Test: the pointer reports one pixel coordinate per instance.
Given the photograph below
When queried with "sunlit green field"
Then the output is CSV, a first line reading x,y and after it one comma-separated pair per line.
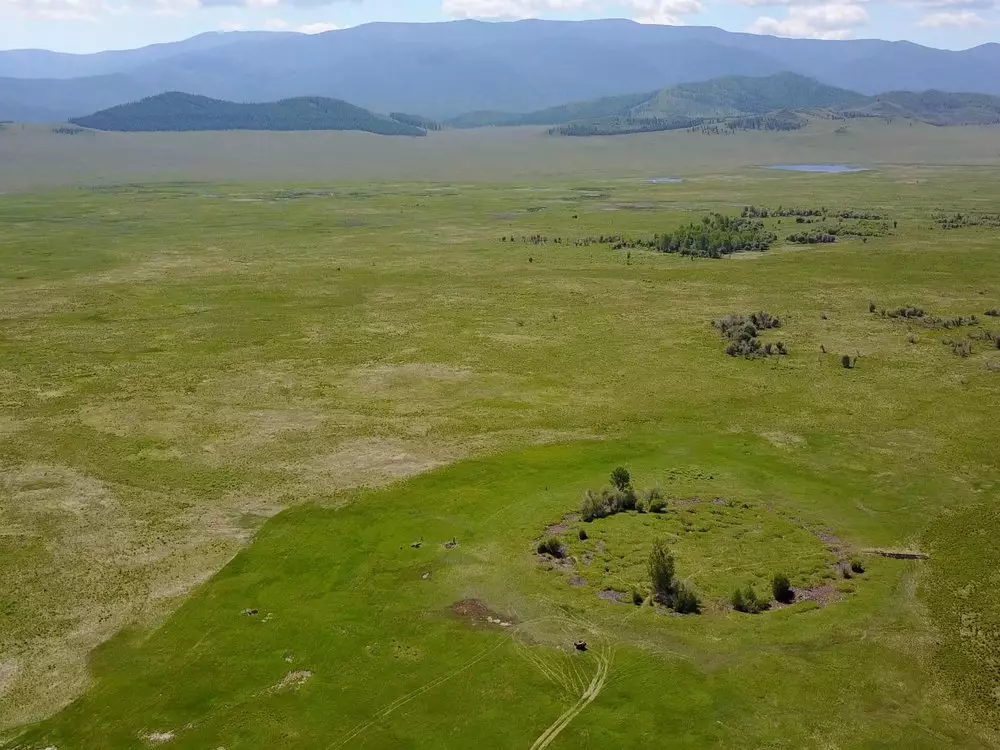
x,y
183,361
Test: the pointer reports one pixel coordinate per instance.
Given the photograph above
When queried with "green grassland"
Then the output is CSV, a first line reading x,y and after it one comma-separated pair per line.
x,y
230,410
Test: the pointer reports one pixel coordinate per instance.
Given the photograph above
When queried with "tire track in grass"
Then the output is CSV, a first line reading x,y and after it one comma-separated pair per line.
x,y
589,695
384,712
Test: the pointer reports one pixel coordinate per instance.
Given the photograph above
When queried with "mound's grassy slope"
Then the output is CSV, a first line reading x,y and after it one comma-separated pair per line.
x,y
333,631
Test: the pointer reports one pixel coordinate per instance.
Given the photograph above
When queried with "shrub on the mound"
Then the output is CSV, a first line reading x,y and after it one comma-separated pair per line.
x,y
551,546
686,601
661,572
746,600
621,479
781,589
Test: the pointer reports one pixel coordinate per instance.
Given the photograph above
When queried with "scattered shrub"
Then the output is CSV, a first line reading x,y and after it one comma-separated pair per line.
x,y
583,535
961,349
746,600
871,307
742,333
764,321
637,598
906,312
658,505
994,313
857,566
551,546
847,362
781,588
620,478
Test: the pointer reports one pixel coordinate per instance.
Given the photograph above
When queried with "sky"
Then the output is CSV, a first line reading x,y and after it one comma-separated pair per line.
x,y
92,25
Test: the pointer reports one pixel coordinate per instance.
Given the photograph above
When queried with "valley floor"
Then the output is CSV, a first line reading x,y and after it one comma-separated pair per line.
x,y
277,458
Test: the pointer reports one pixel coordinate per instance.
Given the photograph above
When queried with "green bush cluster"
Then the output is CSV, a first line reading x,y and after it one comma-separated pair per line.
x,y
815,237
746,600
715,236
620,497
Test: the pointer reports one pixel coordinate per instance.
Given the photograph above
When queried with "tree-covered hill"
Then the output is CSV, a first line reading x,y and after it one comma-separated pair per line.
x,y
746,95
936,107
784,101
175,111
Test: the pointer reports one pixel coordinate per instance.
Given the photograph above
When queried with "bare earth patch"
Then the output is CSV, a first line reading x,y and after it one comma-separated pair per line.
x,y
783,439
369,462
292,681
159,738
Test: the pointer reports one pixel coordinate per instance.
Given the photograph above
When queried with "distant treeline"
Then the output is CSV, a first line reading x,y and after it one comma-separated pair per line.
x,y
625,125
416,121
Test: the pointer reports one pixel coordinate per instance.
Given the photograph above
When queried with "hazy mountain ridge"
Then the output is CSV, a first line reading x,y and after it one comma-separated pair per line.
x,y
446,69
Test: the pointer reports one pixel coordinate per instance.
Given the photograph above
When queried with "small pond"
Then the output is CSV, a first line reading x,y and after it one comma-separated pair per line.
x,y
825,168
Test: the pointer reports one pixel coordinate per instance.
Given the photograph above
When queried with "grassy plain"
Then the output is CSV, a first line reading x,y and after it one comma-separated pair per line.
x,y
182,361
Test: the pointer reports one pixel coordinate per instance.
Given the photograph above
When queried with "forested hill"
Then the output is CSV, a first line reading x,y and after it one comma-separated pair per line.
x,y
784,101
719,97
176,111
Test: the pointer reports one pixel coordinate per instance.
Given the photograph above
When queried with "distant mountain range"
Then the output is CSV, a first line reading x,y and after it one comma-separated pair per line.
x,y
175,111
443,70
783,101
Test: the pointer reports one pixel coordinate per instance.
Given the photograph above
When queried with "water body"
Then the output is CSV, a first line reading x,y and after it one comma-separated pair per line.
x,y
825,168
664,180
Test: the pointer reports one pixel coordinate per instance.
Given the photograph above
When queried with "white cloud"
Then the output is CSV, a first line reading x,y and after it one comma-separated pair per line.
x,y
666,12
643,11
831,21
954,4
951,20
319,27
90,10
279,24
56,10
507,9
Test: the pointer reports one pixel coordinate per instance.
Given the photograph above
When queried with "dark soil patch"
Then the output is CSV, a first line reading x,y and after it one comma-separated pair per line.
x,y
476,614
822,595
897,554
563,526
612,596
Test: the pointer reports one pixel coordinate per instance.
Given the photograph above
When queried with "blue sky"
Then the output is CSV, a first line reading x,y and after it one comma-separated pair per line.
x,y
91,25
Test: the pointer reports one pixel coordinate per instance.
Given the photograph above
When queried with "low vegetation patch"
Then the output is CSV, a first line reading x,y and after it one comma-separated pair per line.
x,y
742,334
962,220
